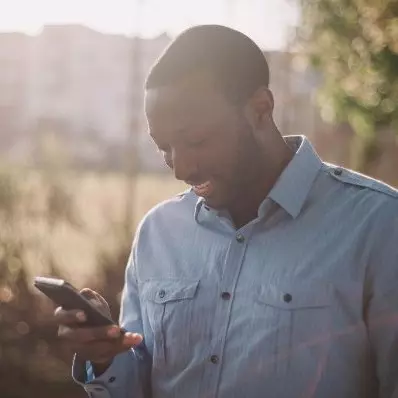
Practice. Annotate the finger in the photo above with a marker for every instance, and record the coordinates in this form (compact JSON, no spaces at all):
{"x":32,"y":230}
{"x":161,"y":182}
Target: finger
{"x":98,"y":351}
{"x":63,"y":331}
{"x":69,"y":317}
{"x":97,"y":301}
{"x":88,"y":293}
{"x":101,"y":299}
{"x":91,"y":296}
{"x":131,"y":339}
{"x":85,"y":335}
{"x":101,"y":304}
{"x":95,"y":298}
{"x":103,"y":351}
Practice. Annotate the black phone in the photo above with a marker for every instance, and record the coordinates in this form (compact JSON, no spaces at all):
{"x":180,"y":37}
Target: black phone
{"x":69,"y":298}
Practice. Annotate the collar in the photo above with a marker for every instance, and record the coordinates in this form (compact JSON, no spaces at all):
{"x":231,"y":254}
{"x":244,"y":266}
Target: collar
{"x":294,"y":184}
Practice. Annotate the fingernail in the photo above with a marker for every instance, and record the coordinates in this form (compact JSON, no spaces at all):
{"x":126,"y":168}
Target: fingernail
{"x":137,"y":338}
{"x":81,"y":316}
{"x":114,"y":332}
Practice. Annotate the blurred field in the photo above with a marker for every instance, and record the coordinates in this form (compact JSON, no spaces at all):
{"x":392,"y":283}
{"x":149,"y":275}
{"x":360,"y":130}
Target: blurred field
{"x":97,"y":207}
{"x":66,"y":224}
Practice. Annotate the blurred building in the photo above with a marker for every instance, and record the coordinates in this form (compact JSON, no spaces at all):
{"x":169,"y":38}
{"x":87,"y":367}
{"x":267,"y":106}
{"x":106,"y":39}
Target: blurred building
{"x":86,"y":82}
{"x":81,"y":84}
{"x":86,"y":87}
{"x":14,"y":79}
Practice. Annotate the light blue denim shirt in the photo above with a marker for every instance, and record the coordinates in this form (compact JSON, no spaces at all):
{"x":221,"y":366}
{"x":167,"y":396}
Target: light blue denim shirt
{"x":300,"y":302}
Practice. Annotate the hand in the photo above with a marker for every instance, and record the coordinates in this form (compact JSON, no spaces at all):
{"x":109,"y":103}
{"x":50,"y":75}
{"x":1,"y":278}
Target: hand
{"x":96,"y":344}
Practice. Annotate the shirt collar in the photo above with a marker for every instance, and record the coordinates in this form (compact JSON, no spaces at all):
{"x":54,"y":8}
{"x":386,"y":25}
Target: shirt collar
{"x":294,"y":184}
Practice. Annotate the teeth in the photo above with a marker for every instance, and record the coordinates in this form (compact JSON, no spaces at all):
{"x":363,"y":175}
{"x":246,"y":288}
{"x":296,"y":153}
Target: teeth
{"x":203,"y":189}
{"x":202,"y":186}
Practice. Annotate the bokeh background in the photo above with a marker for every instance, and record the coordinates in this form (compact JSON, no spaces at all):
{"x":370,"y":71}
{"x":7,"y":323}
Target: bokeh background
{"x":78,"y":171}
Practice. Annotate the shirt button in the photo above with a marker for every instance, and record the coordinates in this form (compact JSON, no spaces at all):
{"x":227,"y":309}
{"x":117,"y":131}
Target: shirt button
{"x":162,"y":293}
{"x":338,"y":172}
{"x":240,"y":238}
{"x":112,"y":379}
{"x":214,"y":359}
{"x":225,"y":295}
{"x":287,"y":298}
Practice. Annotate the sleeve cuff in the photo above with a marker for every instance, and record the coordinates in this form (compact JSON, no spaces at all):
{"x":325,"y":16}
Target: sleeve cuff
{"x":83,"y":372}
{"x":89,"y":372}
{"x":123,"y":379}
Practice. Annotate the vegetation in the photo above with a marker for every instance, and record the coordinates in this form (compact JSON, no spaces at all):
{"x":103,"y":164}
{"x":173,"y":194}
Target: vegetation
{"x":355,"y":45}
{"x":36,"y":210}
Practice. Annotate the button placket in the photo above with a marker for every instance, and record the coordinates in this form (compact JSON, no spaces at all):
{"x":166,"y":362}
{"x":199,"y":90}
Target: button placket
{"x":232,"y":267}
{"x":237,"y":245}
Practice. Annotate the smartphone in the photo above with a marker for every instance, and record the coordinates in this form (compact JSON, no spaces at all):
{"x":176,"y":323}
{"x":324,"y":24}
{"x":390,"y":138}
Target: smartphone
{"x":65,"y":295}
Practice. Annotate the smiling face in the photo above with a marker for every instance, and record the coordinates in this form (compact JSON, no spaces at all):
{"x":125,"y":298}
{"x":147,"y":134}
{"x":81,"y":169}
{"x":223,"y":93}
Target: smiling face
{"x":206,"y":140}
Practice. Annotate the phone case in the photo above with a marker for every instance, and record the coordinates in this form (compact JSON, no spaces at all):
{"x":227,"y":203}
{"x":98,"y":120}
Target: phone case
{"x":69,"y":298}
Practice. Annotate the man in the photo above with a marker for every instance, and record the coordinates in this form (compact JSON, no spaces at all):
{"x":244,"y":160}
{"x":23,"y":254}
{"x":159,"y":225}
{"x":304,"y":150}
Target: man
{"x":274,"y":275}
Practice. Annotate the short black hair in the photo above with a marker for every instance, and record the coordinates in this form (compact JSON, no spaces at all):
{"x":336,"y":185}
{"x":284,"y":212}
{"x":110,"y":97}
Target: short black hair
{"x":236,"y":63}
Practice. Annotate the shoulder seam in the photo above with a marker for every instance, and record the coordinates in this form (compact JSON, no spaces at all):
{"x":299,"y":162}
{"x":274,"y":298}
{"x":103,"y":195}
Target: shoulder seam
{"x":347,"y":176}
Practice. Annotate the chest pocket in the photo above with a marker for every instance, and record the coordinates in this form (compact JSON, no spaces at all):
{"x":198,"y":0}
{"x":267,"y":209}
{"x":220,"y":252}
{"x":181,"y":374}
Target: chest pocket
{"x":293,"y":295}
{"x":297,"y":318}
{"x":169,"y":307}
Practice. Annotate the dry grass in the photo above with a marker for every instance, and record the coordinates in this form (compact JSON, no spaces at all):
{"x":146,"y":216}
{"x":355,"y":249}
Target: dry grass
{"x":63,"y":224}
{"x":99,"y":206}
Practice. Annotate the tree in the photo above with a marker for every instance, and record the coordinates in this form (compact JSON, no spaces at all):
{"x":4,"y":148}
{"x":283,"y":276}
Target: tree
{"x":355,"y":45}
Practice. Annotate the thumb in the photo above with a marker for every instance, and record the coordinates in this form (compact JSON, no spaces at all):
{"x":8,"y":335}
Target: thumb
{"x":88,"y":294}
{"x":132,"y":339}
{"x":97,"y":300}
{"x":94,"y":298}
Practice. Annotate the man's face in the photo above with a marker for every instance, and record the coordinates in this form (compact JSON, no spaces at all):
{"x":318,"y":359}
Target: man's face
{"x":205,"y":140}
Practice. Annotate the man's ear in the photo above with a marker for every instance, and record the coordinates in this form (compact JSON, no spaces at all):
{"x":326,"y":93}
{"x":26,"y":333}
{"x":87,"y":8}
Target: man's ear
{"x":259,"y":108}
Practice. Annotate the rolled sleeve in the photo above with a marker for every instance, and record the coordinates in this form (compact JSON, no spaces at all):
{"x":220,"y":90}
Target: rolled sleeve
{"x":118,"y":380}
{"x":129,"y":374}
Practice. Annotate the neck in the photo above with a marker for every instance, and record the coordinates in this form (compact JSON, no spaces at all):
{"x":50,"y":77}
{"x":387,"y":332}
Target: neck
{"x":244,"y":207}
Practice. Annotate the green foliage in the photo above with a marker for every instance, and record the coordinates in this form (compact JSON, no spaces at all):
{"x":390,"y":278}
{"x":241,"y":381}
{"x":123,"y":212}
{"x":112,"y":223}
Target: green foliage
{"x":355,"y":44}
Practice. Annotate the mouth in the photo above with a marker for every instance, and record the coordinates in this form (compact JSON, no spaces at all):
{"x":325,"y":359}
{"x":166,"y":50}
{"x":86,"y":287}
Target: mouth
{"x":204,"y":189}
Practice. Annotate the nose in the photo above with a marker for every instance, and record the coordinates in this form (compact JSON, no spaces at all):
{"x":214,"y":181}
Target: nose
{"x":185,"y":165}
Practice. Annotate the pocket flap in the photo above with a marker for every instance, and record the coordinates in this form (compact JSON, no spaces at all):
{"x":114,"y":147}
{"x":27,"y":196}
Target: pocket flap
{"x":290,"y":295}
{"x":164,"y":290}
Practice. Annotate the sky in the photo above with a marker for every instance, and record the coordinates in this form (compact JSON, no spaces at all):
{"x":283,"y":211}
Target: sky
{"x":266,"y":21}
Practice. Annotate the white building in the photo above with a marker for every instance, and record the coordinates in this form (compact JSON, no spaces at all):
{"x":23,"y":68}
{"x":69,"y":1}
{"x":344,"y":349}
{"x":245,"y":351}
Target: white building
{"x":14,"y":67}
{"x":87,"y":87}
